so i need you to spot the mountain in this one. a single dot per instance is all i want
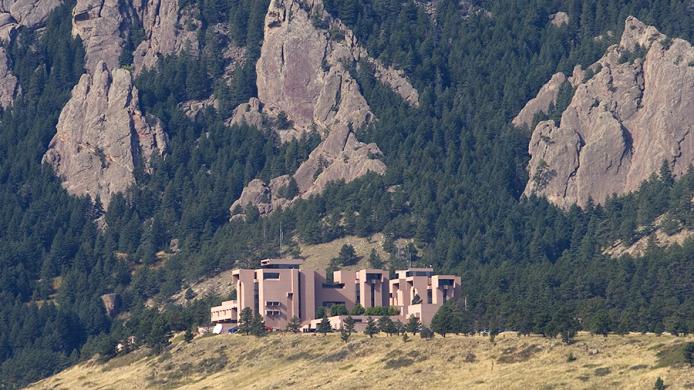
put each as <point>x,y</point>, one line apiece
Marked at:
<point>631,111</point>
<point>148,147</point>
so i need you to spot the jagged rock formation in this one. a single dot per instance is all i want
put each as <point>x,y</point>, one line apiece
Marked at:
<point>168,30</point>
<point>634,110</point>
<point>13,14</point>
<point>547,97</point>
<point>303,74</point>
<point>102,136</point>
<point>8,81</point>
<point>339,157</point>
<point>302,71</point>
<point>98,23</point>
<point>28,13</point>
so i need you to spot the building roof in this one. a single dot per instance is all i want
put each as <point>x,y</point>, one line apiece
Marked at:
<point>286,261</point>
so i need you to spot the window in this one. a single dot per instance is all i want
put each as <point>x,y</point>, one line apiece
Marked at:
<point>428,296</point>
<point>372,277</point>
<point>272,304</point>
<point>333,285</point>
<point>271,275</point>
<point>446,282</point>
<point>419,273</point>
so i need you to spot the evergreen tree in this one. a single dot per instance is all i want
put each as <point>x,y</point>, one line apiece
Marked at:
<point>357,310</point>
<point>689,354</point>
<point>246,321</point>
<point>258,325</point>
<point>386,325</point>
<point>444,320</point>
<point>349,324</point>
<point>371,327</point>
<point>344,335</point>
<point>293,325</point>
<point>324,326</point>
<point>375,260</point>
<point>413,324</point>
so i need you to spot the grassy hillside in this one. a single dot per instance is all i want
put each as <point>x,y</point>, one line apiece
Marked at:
<point>311,361</point>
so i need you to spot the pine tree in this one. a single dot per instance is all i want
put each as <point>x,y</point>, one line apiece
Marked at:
<point>246,320</point>
<point>188,336</point>
<point>444,320</point>
<point>375,260</point>
<point>344,335</point>
<point>371,327</point>
<point>293,325</point>
<point>349,324</point>
<point>689,354</point>
<point>659,384</point>
<point>385,325</point>
<point>413,325</point>
<point>258,326</point>
<point>324,326</point>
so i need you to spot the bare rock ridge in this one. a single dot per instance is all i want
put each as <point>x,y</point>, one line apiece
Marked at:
<point>303,73</point>
<point>13,14</point>
<point>102,136</point>
<point>27,13</point>
<point>633,110</point>
<point>169,29</point>
<point>98,24</point>
<point>339,157</point>
<point>103,26</point>
<point>8,81</point>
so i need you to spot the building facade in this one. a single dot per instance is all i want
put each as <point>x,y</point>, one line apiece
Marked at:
<point>280,290</point>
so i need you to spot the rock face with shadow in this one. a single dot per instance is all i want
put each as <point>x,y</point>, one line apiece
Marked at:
<point>304,85</point>
<point>102,136</point>
<point>631,111</point>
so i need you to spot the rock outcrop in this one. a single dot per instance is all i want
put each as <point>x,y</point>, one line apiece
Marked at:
<point>27,13</point>
<point>8,81</point>
<point>304,85</point>
<point>633,111</point>
<point>546,98</point>
<point>102,136</point>
<point>559,19</point>
<point>98,23</point>
<point>302,71</point>
<point>340,157</point>
<point>13,14</point>
<point>169,29</point>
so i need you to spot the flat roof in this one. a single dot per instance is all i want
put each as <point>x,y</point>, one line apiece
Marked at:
<point>281,262</point>
<point>416,270</point>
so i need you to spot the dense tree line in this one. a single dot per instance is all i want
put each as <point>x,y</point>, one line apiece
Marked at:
<point>454,184</point>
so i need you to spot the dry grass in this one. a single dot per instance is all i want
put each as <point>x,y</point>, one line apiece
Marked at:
<point>317,257</point>
<point>312,361</point>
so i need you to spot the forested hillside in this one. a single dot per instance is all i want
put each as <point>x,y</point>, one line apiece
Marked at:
<point>454,183</point>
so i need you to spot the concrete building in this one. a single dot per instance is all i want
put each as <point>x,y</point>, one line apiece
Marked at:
<point>280,290</point>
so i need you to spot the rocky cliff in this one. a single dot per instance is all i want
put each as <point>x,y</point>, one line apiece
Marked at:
<point>102,136</point>
<point>632,110</point>
<point>15,14</point>
<point>8,81</point>
<point>303,74</point>
<point>339,157</point>
<point>302,71</point>
<point>168,28</point>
